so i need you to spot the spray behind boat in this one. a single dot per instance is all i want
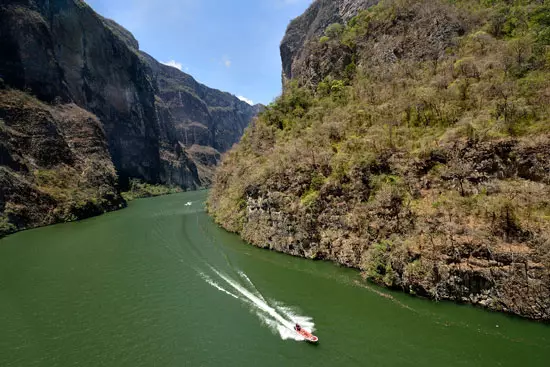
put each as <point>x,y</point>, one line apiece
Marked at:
<point>278,317</point>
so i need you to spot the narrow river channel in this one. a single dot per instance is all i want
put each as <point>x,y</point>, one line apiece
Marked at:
<point>159,284</point>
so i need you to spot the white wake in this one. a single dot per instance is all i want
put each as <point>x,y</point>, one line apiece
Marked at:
<point>217,286</point>
<point>278,317</point>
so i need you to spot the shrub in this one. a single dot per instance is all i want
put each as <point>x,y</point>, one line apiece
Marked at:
<point>334,31</point>
<point>309,198</point>
<point>413,150</point>
<point>505,223</point>
<point>140,189</point>
<point>416,273</point>
<point>5,226</point>
<point>378,266</point>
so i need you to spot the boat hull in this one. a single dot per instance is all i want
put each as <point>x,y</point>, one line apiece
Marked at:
<point>309,337</point>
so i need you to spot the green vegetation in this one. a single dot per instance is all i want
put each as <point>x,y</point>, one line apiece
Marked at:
<point>334,31</point>
<point>5,226</point>
<point>140,189</point>
<point>73,191</point>
<point>378,264</point>
<point>413,163</point>
<point>309,197</point>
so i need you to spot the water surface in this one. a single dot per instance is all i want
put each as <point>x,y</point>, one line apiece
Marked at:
<point>159,284</point>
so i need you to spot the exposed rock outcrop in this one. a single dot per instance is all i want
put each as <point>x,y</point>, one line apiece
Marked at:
<point>64,50</point>
<point>190,114</point>
<point>54,164</point>
<point>418,32</point>
<point>412,144</point>
<point>310,26</point>
<point>435,253</point>
<point>64,54</point>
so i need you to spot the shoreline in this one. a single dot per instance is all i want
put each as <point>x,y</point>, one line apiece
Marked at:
<point>124,206</point>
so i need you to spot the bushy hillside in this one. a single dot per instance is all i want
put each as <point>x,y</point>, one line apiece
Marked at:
<point>414,144</point>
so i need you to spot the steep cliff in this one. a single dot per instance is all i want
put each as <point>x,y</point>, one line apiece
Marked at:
<point>195,118</point>
<point>310,26</point>
<point>421,157</point>
<point>160,125</point>
<point>54,164</point>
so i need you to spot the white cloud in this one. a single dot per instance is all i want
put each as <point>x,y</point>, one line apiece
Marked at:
<point>226,61</point>
<point>174,64</point>
<point>247,100</point>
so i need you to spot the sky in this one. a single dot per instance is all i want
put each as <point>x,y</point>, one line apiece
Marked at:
<point>231,45</point>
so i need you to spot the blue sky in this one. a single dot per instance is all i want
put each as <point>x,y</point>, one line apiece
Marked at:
<point>231,45</point>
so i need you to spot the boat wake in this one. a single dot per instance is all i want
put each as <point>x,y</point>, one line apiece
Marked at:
<point>275,315</point>
<point>278,317</point>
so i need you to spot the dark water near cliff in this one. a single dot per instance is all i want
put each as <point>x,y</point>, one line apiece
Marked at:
<point>158,284</point>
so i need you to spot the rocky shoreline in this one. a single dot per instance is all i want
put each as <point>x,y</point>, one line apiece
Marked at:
<point>408,144</point>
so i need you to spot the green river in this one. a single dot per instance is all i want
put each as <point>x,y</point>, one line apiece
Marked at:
<point>159,284</point>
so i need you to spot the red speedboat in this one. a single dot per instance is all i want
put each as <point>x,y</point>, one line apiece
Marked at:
<point>306,334</point>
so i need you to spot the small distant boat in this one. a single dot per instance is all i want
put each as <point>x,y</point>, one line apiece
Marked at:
<point>188,203</point>
<point>306,334</point>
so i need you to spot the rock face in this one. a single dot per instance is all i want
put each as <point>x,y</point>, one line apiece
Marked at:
<point>193,115</point>
<point>418,33</point>
<point>64,50</point>
<point>492,265</point>
<point>54,164</point>
<point>311,25</point>
<point>154,118</point>
<point>403,148</point>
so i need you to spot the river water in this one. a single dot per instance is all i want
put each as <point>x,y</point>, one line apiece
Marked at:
<point>159,284</point>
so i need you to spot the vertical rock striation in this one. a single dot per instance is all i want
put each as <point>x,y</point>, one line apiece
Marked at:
<point>158,124</point>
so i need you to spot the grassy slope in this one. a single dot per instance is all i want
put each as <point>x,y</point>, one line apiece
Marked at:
<point>414,170</point>
<point>139,189</point>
